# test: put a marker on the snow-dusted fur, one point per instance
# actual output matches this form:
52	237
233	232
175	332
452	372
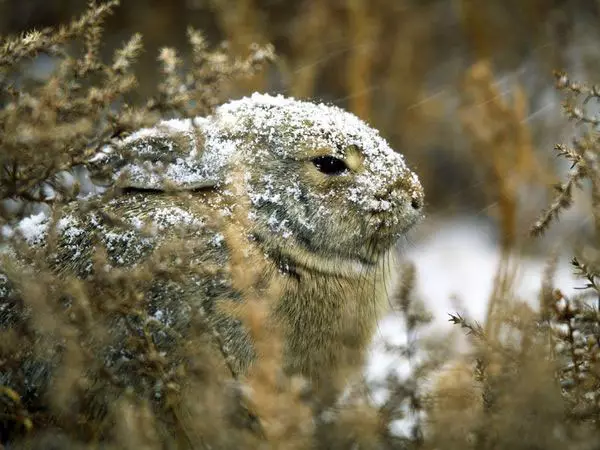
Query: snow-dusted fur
250	192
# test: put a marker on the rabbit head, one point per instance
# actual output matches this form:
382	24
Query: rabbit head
319	179
321	184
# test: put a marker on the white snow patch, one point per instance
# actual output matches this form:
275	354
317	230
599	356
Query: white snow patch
217	240
180	125
34	228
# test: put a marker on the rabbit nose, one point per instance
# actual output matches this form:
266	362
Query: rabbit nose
406	186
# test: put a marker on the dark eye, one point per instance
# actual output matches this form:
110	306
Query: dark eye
330	165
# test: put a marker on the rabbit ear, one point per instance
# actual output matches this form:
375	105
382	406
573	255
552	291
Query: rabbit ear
169	156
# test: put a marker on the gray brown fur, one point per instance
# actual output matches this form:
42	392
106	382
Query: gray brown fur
325	241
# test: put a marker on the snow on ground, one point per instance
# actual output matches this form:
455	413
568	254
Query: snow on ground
458	261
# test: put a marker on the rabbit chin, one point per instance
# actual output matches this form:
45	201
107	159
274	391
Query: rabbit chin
292	257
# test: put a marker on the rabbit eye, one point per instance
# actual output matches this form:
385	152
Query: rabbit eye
330	165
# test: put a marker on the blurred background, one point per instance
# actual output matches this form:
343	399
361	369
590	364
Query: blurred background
463	88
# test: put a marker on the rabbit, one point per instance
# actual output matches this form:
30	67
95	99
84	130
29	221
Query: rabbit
295	201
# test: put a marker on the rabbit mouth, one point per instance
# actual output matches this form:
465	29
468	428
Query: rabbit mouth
395	212
391	226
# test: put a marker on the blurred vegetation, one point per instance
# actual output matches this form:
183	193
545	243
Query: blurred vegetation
464	89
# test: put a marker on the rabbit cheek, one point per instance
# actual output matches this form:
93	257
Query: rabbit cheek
326	191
